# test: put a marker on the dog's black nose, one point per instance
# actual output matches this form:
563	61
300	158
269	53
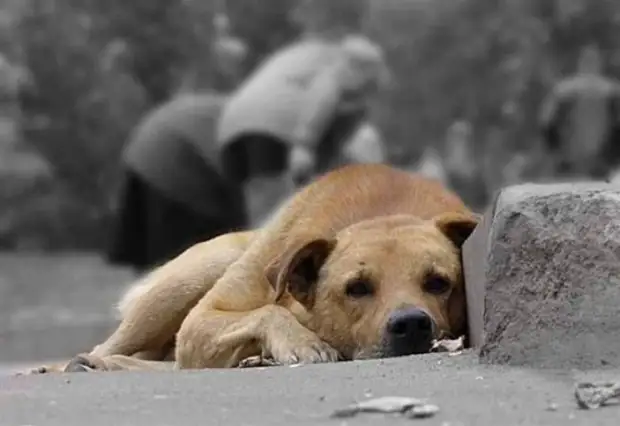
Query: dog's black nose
409	331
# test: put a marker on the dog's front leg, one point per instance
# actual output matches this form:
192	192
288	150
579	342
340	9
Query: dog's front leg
218	339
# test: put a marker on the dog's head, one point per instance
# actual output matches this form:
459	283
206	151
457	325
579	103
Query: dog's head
385	287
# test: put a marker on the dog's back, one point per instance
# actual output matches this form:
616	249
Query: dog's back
359	192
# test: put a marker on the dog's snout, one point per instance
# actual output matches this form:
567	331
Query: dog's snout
409	331
409	322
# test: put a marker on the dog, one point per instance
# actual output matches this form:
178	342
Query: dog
364	262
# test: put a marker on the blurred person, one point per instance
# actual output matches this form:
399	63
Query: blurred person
229	50
291	117
580	121
493	159
174	194
459	157
366	145
464	172
431	165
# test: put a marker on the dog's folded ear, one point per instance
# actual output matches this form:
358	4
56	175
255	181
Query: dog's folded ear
297	270
457	226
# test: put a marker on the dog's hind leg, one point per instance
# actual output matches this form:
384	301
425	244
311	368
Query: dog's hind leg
153	311
152	360
88	363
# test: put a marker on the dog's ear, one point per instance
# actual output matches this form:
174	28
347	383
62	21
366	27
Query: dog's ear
457	226
298	270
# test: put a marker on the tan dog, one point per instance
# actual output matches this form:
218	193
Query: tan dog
364	262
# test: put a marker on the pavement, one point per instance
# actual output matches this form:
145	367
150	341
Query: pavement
53	306
467	394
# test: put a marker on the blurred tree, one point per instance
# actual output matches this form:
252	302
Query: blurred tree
96	67
164	39
262	29
487	61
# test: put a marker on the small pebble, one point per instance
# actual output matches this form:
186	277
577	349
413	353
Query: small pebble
552	407
422	411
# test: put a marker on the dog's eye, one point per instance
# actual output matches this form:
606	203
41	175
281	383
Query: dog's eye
435	284
359	288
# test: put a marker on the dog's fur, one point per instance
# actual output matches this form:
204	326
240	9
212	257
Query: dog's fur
321	281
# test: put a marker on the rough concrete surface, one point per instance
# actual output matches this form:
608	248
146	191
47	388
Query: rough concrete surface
468	394
548	270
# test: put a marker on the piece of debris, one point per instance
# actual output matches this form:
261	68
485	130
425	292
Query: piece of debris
453	346
386	404
422	411
552	406
258	361
594	395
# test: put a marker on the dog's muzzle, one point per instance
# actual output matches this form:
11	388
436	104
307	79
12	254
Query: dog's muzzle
408	331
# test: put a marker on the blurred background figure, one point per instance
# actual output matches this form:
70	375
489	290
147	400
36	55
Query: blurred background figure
366	145
580	121
291	117
173	194
431	165
229	50
463	170
500	166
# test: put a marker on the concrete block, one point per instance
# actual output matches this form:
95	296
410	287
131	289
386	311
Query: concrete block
542	273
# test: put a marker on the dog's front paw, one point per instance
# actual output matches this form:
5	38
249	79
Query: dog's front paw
306	349
84	363
257	361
